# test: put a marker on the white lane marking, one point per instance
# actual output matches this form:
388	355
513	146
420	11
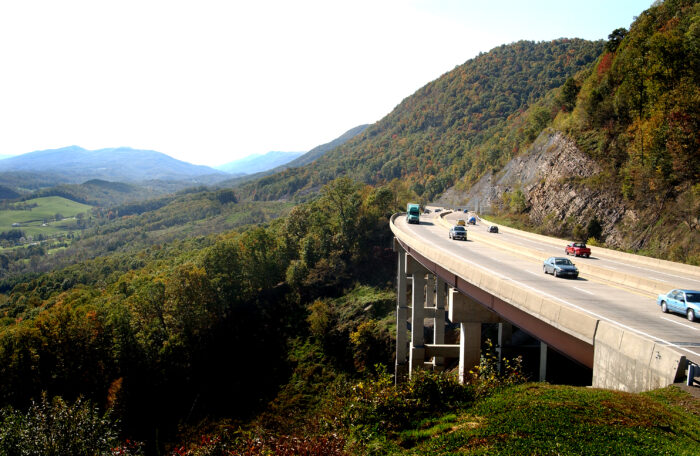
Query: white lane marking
534	273
627	265
675	276
679	323
585	291
543	293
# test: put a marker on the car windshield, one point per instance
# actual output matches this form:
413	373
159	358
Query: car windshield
562	261
459	228
580	245
692	297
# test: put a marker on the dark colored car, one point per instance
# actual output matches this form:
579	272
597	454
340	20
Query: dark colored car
493	229
560	267
458	232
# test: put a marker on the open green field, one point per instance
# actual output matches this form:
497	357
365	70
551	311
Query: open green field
31	220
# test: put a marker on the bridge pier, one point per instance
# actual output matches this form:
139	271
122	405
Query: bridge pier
470	315
418	295
439	321
401	364
505	333
427	301
543	361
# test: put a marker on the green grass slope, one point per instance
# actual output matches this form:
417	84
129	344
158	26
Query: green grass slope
541	419
41	211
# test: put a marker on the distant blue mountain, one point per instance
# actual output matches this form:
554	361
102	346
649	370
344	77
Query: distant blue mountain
259	162
76	164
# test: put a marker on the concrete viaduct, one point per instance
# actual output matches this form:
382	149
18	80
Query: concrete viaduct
435	283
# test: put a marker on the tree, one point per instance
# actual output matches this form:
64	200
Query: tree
579	233
569	91
615	38
594	229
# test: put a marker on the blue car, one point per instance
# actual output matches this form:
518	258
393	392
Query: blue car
686	302
560	267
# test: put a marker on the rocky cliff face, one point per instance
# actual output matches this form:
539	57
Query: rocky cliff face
555	180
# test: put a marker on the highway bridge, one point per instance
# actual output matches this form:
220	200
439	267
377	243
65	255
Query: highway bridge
606	320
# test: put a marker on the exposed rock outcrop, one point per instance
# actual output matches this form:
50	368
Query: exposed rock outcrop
552	177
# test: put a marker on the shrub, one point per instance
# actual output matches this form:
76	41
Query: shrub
487	377
377	406
56	427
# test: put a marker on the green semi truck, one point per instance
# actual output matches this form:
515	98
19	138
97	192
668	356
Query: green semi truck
413	213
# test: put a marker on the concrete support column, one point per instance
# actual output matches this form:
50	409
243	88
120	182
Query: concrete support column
439	324
505	332
417	355
430	291
470	314
401	364
543	361
469	348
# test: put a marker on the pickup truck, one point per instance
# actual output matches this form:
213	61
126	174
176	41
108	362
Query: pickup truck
578	249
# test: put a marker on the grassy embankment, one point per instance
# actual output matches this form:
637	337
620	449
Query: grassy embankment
542	419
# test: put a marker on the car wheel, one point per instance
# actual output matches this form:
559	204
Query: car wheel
567	252
544	269
691	315
588	255
664	307
555	273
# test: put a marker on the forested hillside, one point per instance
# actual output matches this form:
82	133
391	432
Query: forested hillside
636	113
198	327
452	127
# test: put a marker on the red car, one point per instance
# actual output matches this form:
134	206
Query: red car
578	249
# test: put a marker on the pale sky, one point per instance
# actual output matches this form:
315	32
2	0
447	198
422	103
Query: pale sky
211	81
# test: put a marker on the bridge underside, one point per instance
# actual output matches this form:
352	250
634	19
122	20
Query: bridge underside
563	342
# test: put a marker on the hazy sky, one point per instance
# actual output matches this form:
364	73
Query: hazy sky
212	81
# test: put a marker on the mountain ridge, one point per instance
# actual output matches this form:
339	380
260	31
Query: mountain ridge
256	163
76	164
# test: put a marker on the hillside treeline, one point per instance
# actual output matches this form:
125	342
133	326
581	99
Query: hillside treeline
198	327
452	127
636	113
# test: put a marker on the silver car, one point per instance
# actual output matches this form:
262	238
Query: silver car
458	232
